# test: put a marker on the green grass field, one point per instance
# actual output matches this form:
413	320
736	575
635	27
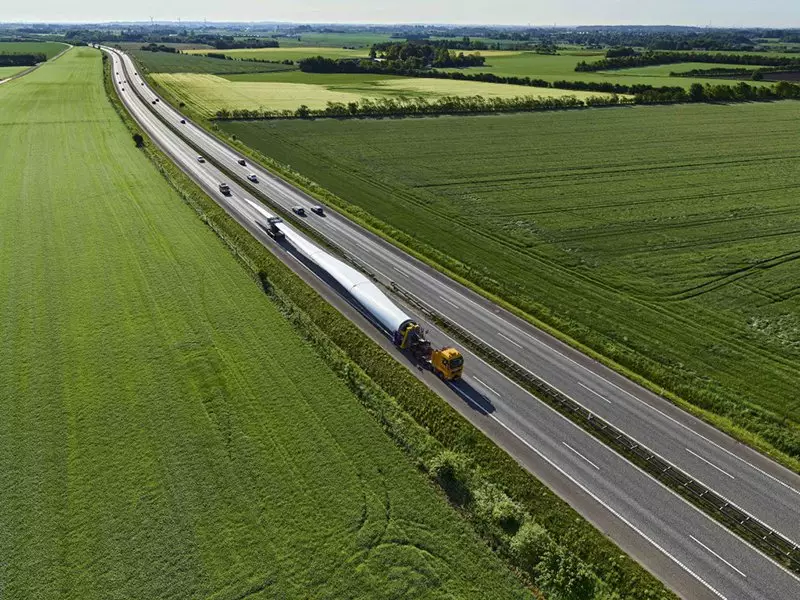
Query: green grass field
208	93
6	72
290	53
317	39
48	48
165	432
664	237
165	62
562	67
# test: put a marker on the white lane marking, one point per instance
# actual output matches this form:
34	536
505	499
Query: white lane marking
486	386
597	499
718	556
700	481
446	300
362	246
588	389
581	455
508	339
708	462
602	378
712	442
401	271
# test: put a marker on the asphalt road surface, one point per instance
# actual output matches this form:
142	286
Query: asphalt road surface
693	554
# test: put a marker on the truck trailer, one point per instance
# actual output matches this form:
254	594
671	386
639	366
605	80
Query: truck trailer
447	363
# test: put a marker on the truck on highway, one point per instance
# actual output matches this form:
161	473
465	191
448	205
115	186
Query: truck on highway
273	230
447	363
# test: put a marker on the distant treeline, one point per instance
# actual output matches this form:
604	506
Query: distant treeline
222	56
615	60
455	105
22	60
160	48
398	107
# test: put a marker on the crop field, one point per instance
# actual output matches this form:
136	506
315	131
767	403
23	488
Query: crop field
209	93
6	72
562	67
665	237
165	62
317	39
48	48
291	53
165	432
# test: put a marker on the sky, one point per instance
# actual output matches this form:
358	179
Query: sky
718	13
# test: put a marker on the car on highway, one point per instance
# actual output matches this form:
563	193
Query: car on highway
225	188
183	121
299	210
253	177
200	159
318	209
241	161
154	101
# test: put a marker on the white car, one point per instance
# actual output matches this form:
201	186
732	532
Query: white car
252	177
200	159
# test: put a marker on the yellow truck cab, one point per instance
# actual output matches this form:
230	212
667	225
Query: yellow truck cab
447	363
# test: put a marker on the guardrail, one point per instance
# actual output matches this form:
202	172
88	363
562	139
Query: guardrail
748	527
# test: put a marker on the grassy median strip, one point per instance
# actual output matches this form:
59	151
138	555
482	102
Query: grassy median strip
526	523
166	432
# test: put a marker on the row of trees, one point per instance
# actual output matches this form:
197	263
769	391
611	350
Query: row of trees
741	92
22	60
665	58
152	47
419	106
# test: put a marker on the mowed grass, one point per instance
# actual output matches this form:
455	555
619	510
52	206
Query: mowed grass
209	93
166	62
48	48
665	237
290	53
561	67
165	433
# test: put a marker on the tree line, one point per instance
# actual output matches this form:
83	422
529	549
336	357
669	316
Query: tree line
417	106
649	58
22	60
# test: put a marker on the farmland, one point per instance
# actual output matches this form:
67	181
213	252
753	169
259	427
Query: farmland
664	237
6	72
562	67
48	48
166	433
166	62
290	53
353	39
208	93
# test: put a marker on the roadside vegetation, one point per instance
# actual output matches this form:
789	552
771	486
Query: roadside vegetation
166	431
663	245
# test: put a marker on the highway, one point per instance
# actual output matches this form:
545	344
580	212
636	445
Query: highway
689	551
